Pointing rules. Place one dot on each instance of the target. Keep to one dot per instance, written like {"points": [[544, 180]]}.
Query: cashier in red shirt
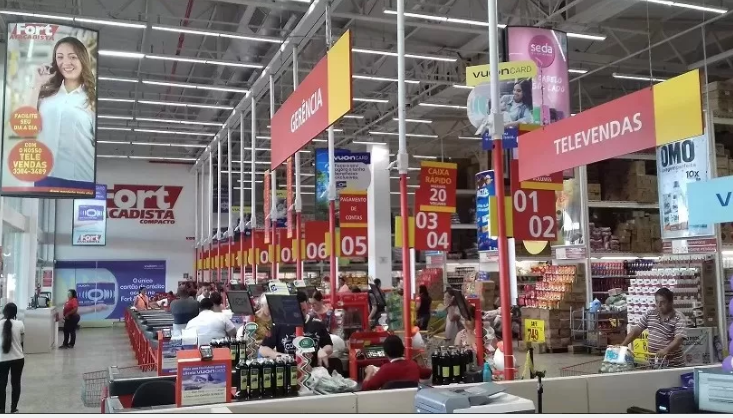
{"points": [[397, 370]]}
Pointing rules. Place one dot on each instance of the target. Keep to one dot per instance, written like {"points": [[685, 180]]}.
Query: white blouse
{"points": [[67, 129]]}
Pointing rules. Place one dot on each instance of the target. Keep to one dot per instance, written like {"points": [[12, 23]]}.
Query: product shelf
{"points": [[621, 205]]}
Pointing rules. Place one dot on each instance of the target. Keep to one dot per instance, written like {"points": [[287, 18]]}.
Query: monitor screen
{"points": [[256, 290], [462, 304], [285, 310], [240, 302]]}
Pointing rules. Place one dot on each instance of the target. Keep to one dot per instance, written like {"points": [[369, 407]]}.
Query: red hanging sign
{"points": [[432, 231], [314, 241], [354, 242], [353, 209], [284, 248], [534, 217], [289, 198], [437, 192], [266, 206], [262, 248]]}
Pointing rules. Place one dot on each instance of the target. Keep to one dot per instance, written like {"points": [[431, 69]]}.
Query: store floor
{"points": [[52, 381]]}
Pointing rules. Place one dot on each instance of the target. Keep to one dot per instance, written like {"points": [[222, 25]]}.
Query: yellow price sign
{"points": [[534, 331]]}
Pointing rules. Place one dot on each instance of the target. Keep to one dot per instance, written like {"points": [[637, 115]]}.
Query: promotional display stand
{"points": [[202, 382]]}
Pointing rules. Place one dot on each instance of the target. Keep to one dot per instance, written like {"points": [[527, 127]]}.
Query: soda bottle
{"points": [[279, 378], [455, 363], [243, 377], [255, 374], [444, 367], [435, 360], [267, 381]]}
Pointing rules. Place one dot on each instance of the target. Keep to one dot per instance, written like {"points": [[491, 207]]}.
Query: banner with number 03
{"points": [[432, 231]]}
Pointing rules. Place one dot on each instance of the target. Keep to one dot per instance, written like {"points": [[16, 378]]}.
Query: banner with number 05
{"points": [[354, 242]]}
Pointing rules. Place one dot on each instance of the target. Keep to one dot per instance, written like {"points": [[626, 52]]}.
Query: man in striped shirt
{"points": [[666, 329]]}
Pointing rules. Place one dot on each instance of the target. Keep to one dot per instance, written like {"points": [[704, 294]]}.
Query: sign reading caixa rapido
{"points": [[151, 205]]}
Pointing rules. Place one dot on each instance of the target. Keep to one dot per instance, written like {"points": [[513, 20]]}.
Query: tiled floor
{"points": [[53, 382]]}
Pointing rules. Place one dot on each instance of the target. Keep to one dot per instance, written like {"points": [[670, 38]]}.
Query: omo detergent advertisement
{"points": [[679, 164], [353, 172], [105, 288], [484, 191]]}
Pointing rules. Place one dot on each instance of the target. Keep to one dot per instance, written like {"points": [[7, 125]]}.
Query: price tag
{"points": [[437, 192], [432, 231], [314, 241], [534, 330]]}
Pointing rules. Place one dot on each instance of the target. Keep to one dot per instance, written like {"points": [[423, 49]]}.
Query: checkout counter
{"points": [[41, 329]]}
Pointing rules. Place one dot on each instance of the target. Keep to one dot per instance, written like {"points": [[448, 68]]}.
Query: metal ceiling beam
{"points": [[277, 5]]}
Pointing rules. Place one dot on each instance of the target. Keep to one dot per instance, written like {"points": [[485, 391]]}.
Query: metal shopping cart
{"points": [[596, 367], [94, 384]]}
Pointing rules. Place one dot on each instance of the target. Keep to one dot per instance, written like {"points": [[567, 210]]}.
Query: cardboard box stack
{"points": [[561, 289], [640, 234], [720, 96], [723, 162], [627, 181], [594, 191]]}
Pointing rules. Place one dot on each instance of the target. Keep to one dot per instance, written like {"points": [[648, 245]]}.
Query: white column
{"points": [[380, 223]]}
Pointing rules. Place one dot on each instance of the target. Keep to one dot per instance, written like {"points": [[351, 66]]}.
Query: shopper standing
{"points": [[343, 286], [377, 303], [142, 302], [319, 310], [11, 357], [184, 309], [453, 315], [423, 308], [71, 319]]}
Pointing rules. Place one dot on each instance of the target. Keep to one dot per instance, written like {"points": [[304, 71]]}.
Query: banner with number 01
{"points": [[314, 241], [533, 214], [432, 231]]}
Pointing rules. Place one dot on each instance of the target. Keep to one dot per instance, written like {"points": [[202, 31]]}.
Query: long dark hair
{"points": [[72, 292], [526, 86], [87, 75], [10, 311]]}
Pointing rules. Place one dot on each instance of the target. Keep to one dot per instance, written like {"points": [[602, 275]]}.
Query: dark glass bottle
{"points": [[445, 367], [243, 377], [279, 378], [255, 375], [268, 370], [435, 360], [242, 343], [292, 375], [234, 351], [455, 364]]}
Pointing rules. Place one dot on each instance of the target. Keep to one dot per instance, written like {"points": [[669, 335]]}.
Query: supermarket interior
{"points": [[367, 206]]}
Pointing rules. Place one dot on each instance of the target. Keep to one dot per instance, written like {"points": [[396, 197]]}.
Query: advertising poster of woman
{"points": [[50, 111]]}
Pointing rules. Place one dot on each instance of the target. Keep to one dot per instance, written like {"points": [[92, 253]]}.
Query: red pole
{"points": [[506, 319], [332, 256], [298, 264], [406, 282], [253, 257], [273, 246], [478, 328]]}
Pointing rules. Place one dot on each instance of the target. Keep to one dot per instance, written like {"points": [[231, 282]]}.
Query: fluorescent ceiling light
{"points": [[577, 71], [119, 23], [407, 135], [348, 117], [462, 86], [163, 144], [142, 157], [118, 79], [413, 186], [637, 77], [120, 54], [481, 23], [204, 61], [38, 15], [262, 137], [443, 106], [114, 117], [396, 177], [180, 104], [195, 86], [470, 138], [409, 193], [688, 6], [387, 79], [178, 121], [164, 131], [368, 143], [231, 35], [305, 151], [112, 128], [425, 157], [367, 100], [114, 142], [414, 120], [112, 99], [111, 156], [407, 55], [319, 140]]}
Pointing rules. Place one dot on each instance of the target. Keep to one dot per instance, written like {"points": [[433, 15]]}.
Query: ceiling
{"points": [[173, 73]]}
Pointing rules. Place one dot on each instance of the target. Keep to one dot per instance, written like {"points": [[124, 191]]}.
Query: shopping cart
{"points": [[94, 384], [596, 366]]}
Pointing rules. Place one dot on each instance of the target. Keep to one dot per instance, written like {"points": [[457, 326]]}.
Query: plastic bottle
{"points": [[487, 372], [279, 378], [268, 369], [255, 374]]}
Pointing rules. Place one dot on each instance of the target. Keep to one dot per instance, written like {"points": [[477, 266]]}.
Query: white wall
{"points": [[129, 239]]}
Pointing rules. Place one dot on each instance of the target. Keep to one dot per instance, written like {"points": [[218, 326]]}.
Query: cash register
{"points": [[485, 398]]}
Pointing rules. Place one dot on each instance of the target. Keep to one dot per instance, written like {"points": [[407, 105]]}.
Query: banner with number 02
{"points": [[432, 231], [534, 217]]}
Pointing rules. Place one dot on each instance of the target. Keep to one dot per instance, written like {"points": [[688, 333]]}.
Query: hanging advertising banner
{"points": [[50, 119], [353, 172], [289, 200], [549, 92], [667, 112], [281, 208], [484, 191], [314, 241], [89, 226], [267, 205], [533, 212], [105, 289], [432, 231], [321, 168], [711, 201], [679, 164], [437, 191], [353, 209], [145, 204], [323, 97]]}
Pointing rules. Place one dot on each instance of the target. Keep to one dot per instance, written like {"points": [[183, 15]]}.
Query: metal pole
{"points": [[218, 209], [402, 165], [196, 236], [498, 157], [331, 183], [273, 195], [253, 212], [298, 199], [202, 224], [241, 198], [230, 191], [210, 198]]}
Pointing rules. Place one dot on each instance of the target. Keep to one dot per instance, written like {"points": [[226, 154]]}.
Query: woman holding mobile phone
{"points": [[65, 94]]}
